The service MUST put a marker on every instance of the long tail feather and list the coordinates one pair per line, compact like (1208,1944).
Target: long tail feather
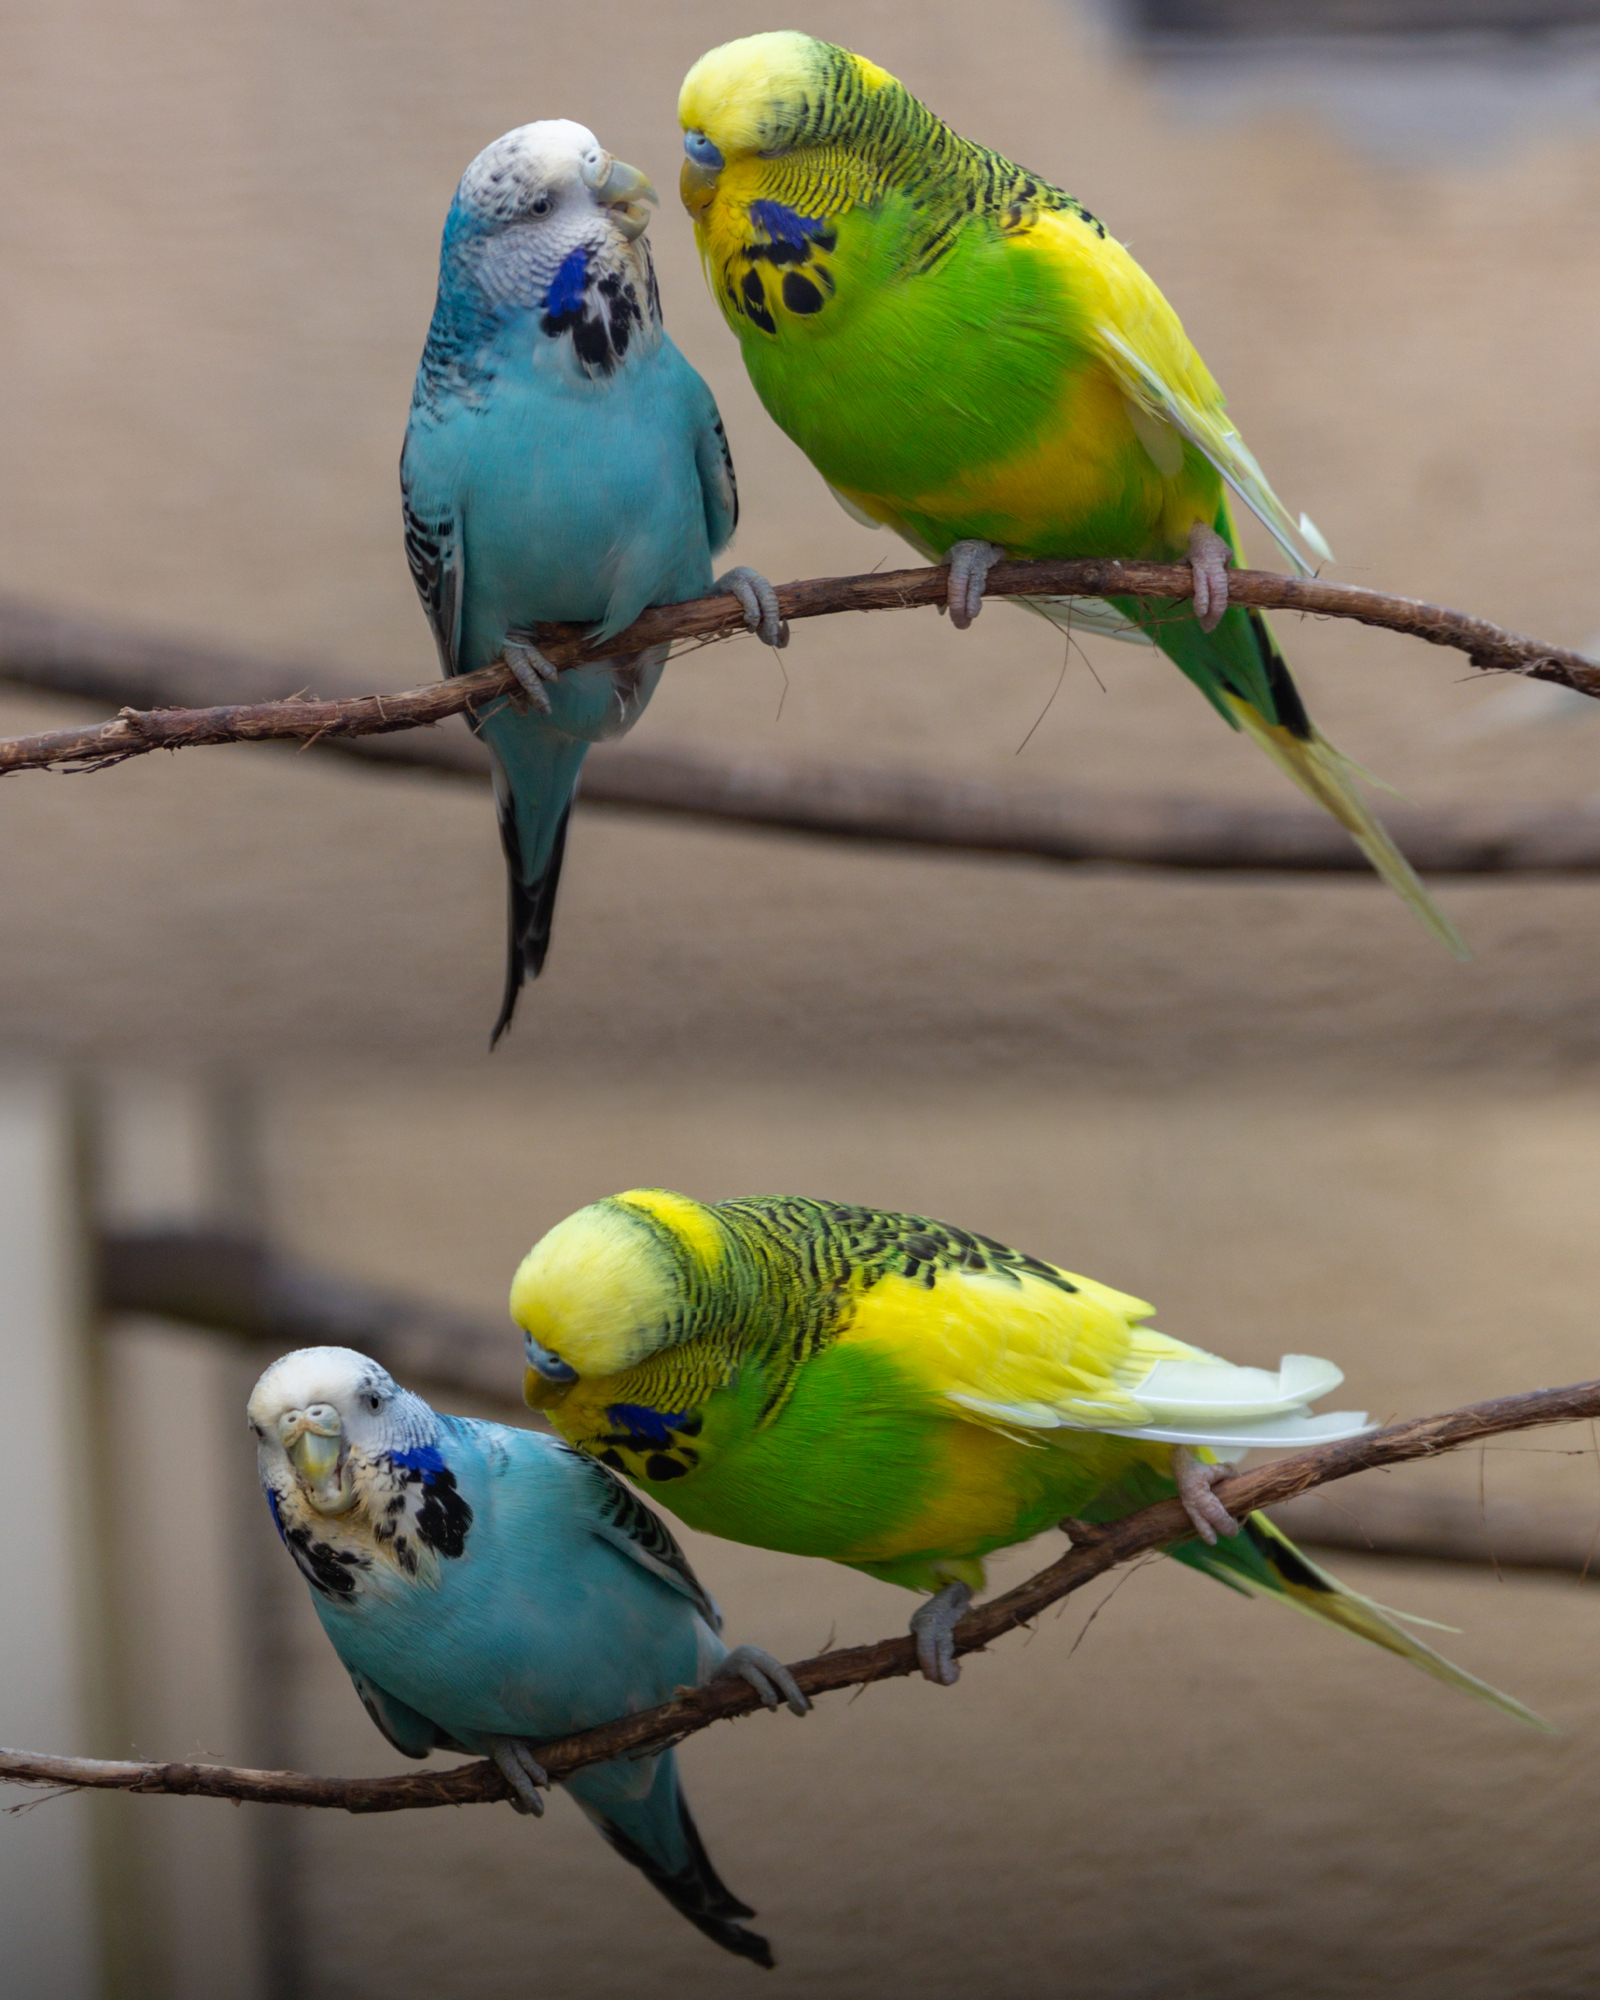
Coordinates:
(657,1835)
(1329,777)
(1262,1561)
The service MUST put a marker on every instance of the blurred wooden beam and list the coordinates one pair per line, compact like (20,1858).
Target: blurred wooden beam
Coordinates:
(1367,1517)
(860,802)
(1249,21)
(236,1285)
(52,1941)
(229,1283)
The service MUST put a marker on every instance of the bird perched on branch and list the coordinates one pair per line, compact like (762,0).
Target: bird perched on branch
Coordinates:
(906,1397)
(965,354)
(563,462)
(487,1589)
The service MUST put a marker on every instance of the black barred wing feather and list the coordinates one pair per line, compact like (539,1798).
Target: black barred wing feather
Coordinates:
(718,487)
(842,1244)
(435,558)
(623,1520)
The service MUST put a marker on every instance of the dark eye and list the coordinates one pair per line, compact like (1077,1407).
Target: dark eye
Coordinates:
(701,150)
(541,204)
(374,1401)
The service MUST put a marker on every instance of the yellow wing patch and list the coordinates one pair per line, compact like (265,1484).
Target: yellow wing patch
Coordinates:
(1154,363)
(1010,1351)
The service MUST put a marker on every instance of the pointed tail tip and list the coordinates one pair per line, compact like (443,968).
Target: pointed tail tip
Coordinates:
(1312,1589)
(1329,779)
(1398,873)
(742,1943)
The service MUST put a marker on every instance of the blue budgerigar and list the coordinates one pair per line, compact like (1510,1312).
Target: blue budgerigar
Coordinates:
(488,1589)
(563,462)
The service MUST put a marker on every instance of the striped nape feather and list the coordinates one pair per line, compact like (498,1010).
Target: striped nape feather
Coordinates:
(840,131)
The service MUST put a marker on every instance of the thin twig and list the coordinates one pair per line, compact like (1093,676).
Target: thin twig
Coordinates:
(857,1666)
(135,732)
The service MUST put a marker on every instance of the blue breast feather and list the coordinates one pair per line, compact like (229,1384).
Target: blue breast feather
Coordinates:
(541,1627)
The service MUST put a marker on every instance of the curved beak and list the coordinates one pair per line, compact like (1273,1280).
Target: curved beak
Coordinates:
(625,193)
(315,1447)
(696,186)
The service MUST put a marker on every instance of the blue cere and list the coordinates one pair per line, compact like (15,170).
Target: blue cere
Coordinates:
(700,150)
(549,1365)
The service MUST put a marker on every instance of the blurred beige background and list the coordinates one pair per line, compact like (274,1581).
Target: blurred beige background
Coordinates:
(1269,1103)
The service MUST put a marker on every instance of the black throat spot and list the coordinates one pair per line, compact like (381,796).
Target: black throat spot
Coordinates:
(602,323)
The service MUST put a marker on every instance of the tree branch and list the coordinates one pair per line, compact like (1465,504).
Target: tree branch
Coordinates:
(703,619)
(55,654)
(655,1729)
(222,1283)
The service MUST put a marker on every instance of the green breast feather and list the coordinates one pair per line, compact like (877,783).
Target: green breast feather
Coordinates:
(893,373)
(766,1427)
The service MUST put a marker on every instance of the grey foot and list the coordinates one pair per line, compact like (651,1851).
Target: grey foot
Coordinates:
(760,604)
(1210,559)
(932,1626)
(970,564)
(1206,1513)
(532,670)
(769,1677)
(521,1771)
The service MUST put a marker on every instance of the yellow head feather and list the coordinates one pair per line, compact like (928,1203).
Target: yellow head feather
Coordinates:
(766,93)
(606,1288)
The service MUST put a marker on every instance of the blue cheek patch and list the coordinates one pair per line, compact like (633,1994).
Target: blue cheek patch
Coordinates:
(650,1426)
(786,225)
(569,284)
(423,1458)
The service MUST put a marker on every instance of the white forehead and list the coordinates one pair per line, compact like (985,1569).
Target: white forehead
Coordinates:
(552,151)
(333,1375)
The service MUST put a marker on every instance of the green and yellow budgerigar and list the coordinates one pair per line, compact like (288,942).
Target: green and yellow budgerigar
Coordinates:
(890,1392)
(967,356)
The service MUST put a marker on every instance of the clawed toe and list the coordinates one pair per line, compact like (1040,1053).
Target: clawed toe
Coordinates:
(970,563)
(770,1678)
(759,602)
(933,1628)
(1210,559)
(522,1772)
(532,671)
(1207,1515)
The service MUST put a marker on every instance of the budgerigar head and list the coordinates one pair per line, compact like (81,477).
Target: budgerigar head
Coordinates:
(611,1286)
(324,1417)
(538,207)
(766,97)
